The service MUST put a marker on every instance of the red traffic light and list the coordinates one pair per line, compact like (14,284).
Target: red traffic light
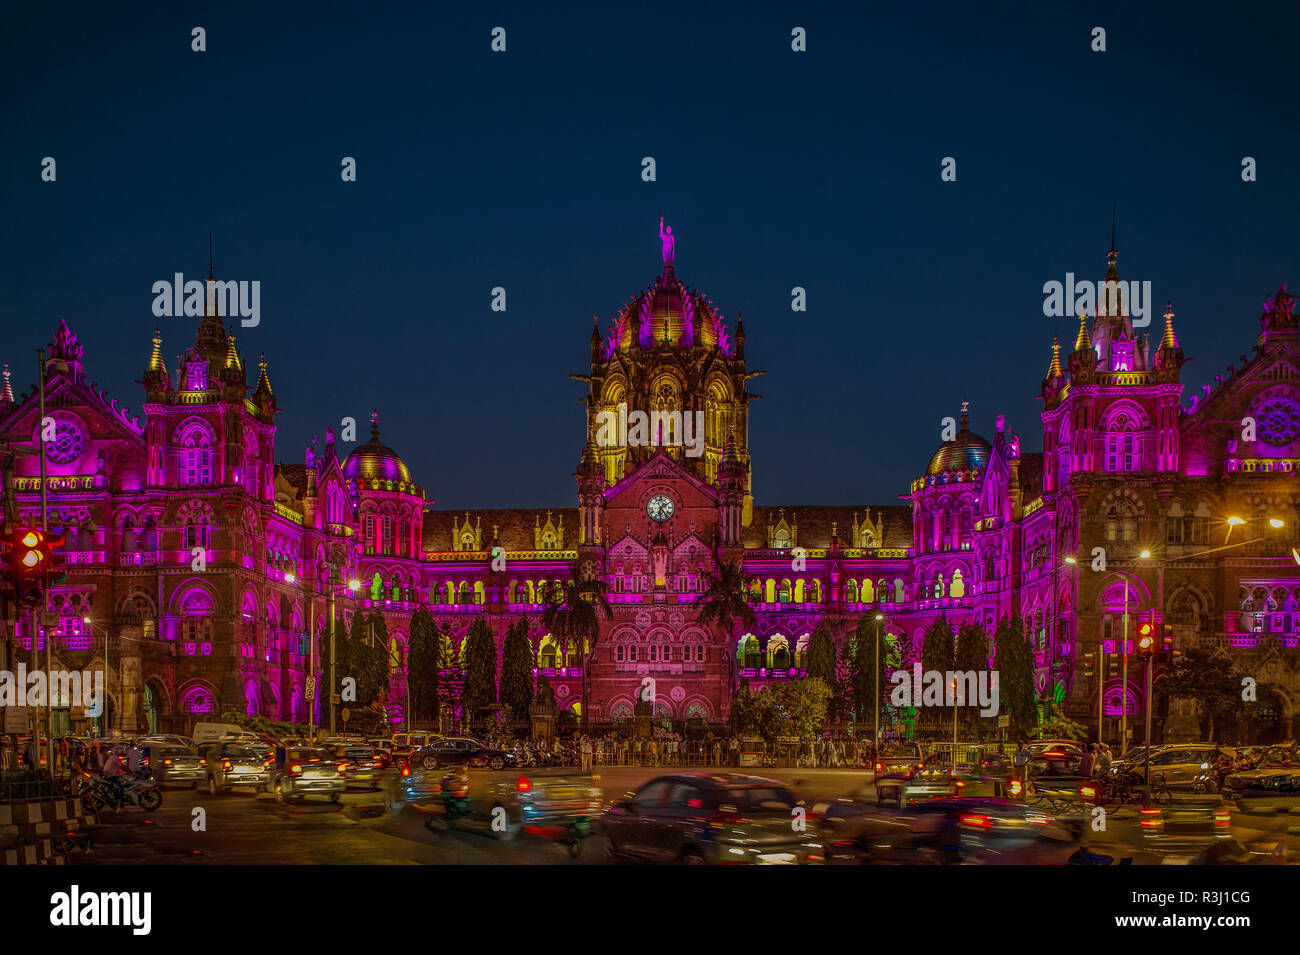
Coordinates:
(31,552)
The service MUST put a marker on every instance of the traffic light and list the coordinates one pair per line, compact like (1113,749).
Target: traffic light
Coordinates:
(1146,641)
(1089,665)
(32,562)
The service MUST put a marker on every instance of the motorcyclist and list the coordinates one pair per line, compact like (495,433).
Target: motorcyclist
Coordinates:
(113,773)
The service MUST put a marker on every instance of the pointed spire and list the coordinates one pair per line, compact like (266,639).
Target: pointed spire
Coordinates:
(374,434)
(7,394)
(1169,340)
(1083,342)
(1054,370)
(1113,254)
(263,380)
(232,356)
(729,451)
(156,362)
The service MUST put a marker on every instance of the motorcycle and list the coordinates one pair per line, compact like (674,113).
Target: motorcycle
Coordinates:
(454,790)
(100,794)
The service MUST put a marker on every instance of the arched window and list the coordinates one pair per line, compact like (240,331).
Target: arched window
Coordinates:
(198,701)
(195,456)
(1121,522)
(196,522)
(851,592)
(1123,443)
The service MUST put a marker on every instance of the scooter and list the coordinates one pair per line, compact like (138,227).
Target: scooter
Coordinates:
(454,790)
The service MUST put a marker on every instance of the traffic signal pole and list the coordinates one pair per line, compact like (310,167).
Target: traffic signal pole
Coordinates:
(45,529)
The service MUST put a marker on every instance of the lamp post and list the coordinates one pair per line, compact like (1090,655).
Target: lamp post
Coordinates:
(41,365)
(354,586)
(108,672)
(875,743)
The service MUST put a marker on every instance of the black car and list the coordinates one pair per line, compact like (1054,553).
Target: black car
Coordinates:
(702,818)
(461,749)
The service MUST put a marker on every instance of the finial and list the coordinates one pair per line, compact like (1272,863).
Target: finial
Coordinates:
(1169,339)
(374,428)
(1054,371)
(7,395)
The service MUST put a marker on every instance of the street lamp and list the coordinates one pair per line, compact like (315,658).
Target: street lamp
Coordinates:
(875,743)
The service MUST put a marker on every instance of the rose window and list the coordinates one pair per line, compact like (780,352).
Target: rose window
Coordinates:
(67,444)
(1278,421)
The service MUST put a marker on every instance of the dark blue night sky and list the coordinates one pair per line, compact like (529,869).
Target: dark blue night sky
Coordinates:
(522,170)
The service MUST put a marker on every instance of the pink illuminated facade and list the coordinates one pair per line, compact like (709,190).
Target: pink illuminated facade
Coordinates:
(206,567)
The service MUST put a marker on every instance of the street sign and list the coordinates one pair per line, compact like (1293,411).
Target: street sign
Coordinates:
(311,688)
(335,698)
(1004,720)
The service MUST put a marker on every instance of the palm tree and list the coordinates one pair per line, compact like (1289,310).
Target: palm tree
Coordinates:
(724,601)
(572,615)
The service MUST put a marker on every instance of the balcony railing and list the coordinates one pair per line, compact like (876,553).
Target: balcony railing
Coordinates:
(558,673)
(773,673)
(1242,641)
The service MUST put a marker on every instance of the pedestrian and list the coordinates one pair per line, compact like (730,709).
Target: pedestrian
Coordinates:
(1087,762)
(31,756)
(585,749)
(133,758)
(1103,759)
(1022,761)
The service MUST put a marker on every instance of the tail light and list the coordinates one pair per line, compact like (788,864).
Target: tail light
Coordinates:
(720,819)
(1088,793)
(166,762)
(977,821)
(1152,820)
(343,764)
(523,784)
(226,765)
(961,784)
(1222,819)
(1016,787)
(406,769)
(203,761)
(295,770)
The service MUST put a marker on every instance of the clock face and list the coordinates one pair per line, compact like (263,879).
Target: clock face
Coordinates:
(660,507)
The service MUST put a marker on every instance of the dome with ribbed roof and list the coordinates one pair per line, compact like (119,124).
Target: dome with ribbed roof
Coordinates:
(376,460)
(668,313)
(965,452)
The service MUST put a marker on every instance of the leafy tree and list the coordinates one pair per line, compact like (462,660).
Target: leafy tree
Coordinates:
(572,614)
(972,657)
(725,601)
(868,680)
(363,656)
(479,656)
(1213,685)
(517,670)
(423,664)
(795,708)
(1060,726)
(821,655)
(939,653)
(1014,662)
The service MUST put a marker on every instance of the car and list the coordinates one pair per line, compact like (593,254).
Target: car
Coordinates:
(231,764)
(534,801)
(167,739)
(1180,764)
(1268,782)
(709,818)
(895,764)
(174,765)
(1054,757)
(1189,822)
(461,749)
(300,771)
(935,782)
(357,763)
(936,831)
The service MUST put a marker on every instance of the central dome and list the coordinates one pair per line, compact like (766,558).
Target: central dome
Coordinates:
(966,452)
(669,314)
(376,460)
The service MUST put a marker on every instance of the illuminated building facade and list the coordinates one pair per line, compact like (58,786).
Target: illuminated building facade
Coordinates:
(206,568)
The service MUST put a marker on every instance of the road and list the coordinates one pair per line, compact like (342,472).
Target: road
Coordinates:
(242,828)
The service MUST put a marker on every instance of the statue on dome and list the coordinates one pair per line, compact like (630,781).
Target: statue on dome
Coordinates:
(668,242)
